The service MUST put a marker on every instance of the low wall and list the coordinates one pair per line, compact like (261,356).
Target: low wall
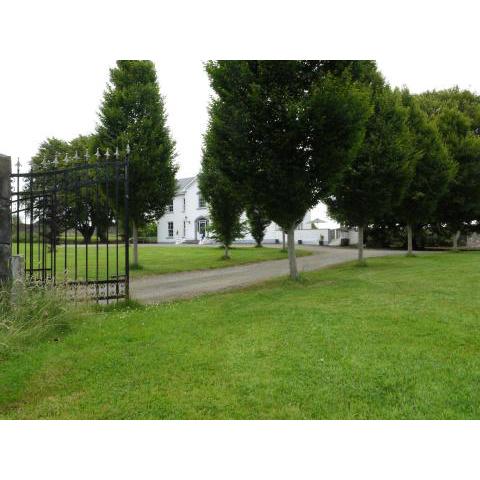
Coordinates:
(307,237)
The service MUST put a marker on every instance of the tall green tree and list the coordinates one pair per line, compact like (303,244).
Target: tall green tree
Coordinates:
(457,116)
(224,204)
(257,223)
(433,170)
(133,112)
(288,129)
(375,182)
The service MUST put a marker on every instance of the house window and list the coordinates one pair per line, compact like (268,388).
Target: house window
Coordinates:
(201,202)
(170,206)
(170,229)
(183,204)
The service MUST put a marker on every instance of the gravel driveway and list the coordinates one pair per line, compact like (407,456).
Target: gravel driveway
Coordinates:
(161,288)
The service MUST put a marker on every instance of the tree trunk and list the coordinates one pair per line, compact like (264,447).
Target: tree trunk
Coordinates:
(87,232)
(102,233)
(455,238)
(360,244)
(409,239)
(283,239)
(292,259)
(226,255)
(135,245)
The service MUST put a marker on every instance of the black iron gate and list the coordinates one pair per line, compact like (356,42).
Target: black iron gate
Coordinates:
(70,222)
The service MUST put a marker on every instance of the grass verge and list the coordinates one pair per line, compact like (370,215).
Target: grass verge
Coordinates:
(30,314)
(399,339)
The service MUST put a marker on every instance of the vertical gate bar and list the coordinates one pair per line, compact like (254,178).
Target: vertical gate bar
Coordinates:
(24,201)
(107,157)
(127,228)
(117,216)
(55,222)
(30,256)
(65,220)
(11,208)
(18,206)
(77,193)
(39,275)
(42,228)
(97,209)
(50,239)
(86,262)
(85,171)
(45,228)
(38,241)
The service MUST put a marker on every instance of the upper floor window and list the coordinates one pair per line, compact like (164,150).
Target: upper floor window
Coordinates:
(201,201)
(170,206)
(183,204)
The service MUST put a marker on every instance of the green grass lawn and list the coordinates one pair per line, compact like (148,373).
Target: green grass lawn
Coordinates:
(153,259)
(397,339)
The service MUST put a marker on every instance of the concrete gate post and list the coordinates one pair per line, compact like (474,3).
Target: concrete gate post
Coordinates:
(5,219)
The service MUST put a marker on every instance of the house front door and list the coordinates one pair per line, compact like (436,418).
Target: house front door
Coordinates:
(202,228)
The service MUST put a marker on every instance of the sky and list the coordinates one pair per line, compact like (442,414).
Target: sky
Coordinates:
(65,103)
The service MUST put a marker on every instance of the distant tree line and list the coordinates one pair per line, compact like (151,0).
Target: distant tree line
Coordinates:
(284,135)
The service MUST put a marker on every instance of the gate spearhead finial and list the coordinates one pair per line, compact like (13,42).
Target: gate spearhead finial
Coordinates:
(107,154)
(97,154)
(116,153)
(128,148)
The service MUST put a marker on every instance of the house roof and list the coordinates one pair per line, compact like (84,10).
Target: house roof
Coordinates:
(183,183)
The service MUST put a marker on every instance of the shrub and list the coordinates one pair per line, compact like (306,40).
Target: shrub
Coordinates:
(34,314)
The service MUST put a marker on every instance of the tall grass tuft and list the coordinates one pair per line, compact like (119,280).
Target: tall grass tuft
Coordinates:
(31,315)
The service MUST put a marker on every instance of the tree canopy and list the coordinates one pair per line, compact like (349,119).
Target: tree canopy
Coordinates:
(457,116)
(132,112)
(375,182)
(225,206)
(257,222)
(287,130)
(433,170)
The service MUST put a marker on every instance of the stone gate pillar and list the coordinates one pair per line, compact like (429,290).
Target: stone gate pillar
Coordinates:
(5,219)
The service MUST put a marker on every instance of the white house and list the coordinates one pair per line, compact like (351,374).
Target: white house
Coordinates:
(187,217)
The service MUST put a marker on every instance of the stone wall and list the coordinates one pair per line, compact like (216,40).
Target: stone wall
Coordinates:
(5,228)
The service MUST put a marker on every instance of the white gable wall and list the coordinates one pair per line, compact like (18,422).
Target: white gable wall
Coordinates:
(184,216)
